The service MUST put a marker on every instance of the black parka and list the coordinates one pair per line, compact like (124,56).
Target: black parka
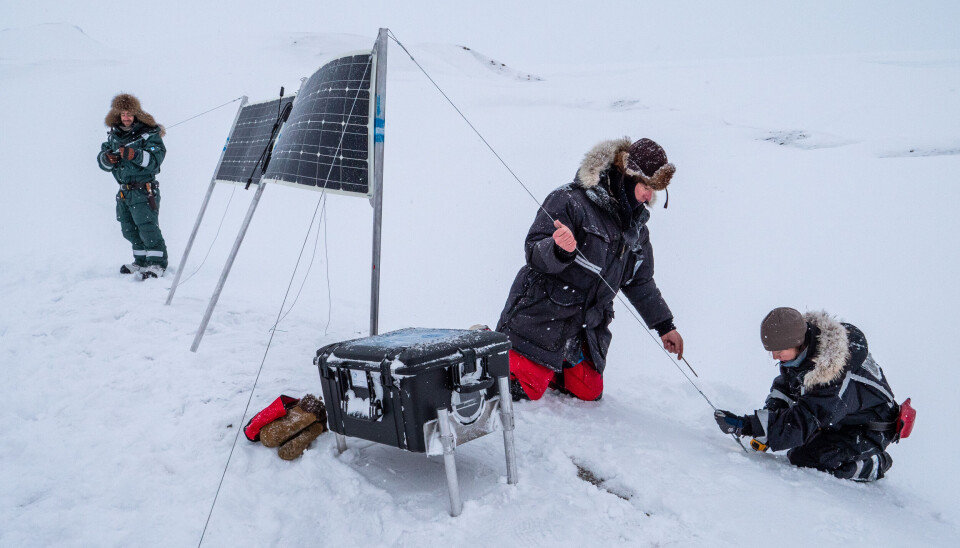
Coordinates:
(837,388)
(558,303)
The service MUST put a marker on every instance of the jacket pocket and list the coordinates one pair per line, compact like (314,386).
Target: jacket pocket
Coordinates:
(595,249)
(548,314)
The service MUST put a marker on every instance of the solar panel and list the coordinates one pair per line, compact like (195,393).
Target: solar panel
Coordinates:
(247,141)
(326,144)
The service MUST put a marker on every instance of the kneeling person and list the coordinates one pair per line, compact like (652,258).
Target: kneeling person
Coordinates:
(588,242)
(830,406)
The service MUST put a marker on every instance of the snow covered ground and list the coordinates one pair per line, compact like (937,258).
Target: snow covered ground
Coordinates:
(818,155)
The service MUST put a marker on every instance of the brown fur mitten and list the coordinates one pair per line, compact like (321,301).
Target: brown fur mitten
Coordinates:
(308,411)
(295,447)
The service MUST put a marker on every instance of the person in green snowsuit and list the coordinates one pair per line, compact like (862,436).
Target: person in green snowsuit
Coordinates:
(133,153)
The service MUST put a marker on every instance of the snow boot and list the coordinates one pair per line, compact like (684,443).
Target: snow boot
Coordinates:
(866,470)
(308,411)
(131,268)
(295,447)
(152,271)
(886,461)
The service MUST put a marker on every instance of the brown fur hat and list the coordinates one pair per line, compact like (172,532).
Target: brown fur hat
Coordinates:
(630,159)
(647,161)
(128,102)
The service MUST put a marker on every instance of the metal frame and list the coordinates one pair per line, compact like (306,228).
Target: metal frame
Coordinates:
(203,207)
(380,61)
(376,182)
(449,441)
(233,252)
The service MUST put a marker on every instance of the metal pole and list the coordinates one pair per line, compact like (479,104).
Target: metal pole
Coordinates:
(226,268)
(203,208)
(377,180)
(449,461)
(506,417)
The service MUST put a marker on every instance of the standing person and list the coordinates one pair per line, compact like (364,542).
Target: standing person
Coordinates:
(133,153)
(590,233)
(830,406)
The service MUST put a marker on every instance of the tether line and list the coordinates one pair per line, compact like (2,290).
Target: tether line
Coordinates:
(204,112)
(215,236)
(616,292)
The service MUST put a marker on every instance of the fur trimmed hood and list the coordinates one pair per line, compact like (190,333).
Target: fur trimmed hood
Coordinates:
(615,153)
(832,352)
(128,102)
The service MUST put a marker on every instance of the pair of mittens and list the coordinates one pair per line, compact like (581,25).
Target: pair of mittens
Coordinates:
(295,431)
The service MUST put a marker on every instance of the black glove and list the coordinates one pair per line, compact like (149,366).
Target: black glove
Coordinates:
(112,158)
(733,424)
(127,153)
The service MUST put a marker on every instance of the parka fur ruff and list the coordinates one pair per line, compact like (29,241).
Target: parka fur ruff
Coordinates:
(125,101)
(615,153)
(833,350)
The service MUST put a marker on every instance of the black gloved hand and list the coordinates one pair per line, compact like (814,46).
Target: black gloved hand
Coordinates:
(127,153)
(112,158)
(733,424)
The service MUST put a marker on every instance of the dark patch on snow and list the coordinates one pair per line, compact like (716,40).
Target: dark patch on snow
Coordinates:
(798,138)
(501,68)
(786,137)
(922,152)
(601,483)
(627,104)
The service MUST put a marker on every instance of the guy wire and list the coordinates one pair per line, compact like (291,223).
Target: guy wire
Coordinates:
(273,329)
(313,257)
(204,112)
(547,213)
(228,201)
(215,236)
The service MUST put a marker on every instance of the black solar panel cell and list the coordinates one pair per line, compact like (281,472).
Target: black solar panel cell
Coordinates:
(326,142)
(247,142)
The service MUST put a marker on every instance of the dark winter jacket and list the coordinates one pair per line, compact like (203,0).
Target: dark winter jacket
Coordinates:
(146,162)
(558,301)
(838,388)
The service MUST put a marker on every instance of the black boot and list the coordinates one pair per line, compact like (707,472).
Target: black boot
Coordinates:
(516,391)
(886,461)
(869,469)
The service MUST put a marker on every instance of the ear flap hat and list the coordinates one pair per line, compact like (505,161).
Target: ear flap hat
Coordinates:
(647,161)
(131,104)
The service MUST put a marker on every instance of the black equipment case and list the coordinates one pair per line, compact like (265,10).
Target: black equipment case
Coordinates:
(388,388)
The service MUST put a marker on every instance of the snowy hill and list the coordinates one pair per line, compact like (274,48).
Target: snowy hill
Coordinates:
(817,156)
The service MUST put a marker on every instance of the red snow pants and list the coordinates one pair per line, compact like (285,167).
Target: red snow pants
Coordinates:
(582,380)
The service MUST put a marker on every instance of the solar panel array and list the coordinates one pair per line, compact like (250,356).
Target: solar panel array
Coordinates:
(326,144)
(248,140)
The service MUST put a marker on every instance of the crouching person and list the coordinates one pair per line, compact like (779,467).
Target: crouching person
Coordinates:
(831,406)
(588,242)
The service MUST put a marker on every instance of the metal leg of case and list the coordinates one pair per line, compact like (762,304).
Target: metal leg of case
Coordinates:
(341,443)
(506,417)
(449,461)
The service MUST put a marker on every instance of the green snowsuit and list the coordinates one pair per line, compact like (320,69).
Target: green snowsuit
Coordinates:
(139,222)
